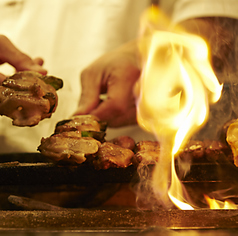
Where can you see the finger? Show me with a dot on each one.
(9, 53)
(120, 87)
(90, 92)
(2, 77)
(12, 55)
(31, 66)
(128, 118)
(37, 66)
(119, 107)
(115, 115)
(38, 61)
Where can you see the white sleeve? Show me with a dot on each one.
(186, 9)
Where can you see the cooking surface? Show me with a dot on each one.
(31, 172)
(125, 222)
(155, 232)
(34, 168)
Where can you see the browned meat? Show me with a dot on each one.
(232, 139)
(28, 97)
(216, 150)
(147, 146)
(193, 148)
(111, 155)
(223, 131)
(68, 147)
(124, 141)
(82, 123)
(207, 150)
(89, 125)
(147, 153)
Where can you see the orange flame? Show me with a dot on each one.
(177, 85)
(215, 204)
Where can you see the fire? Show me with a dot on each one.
(177, 85)
(215, 204)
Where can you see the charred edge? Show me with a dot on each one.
(103, 125)
(56, 83)
(67, 130)
(62, 122)
(94, 134)
(52, 99)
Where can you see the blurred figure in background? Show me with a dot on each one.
(68, 35)
(72, 34)
(116, 72)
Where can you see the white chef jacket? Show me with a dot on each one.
(187, 9)
(180, 10)
(69, 35)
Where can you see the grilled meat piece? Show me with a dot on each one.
(82, 123)
(232, 140)
(124, 141)
(100, 136)
(223, 134)
(207, 150)
(194, 149)
(111, 155)
(147, 146)
(147, 152)
(216, 150)
(74, 139)
(68, 147)
(29, 97)
(89, 125)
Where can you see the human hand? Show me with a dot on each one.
(10, 54)
(114, 74)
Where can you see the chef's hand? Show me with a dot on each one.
(11, 55)
(114, 75)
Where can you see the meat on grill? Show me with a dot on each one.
(232, 139)
(147, 152)
(88, 125)
(29, 97)
(73, 140)
(112, 155)
(124, 141)
(82, 123)
(68, 147)
(81, 138)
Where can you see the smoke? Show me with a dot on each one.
(146, 197)
(223, 42)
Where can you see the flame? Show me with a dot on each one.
(215, 204)
(176, 86)
(153, 18)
